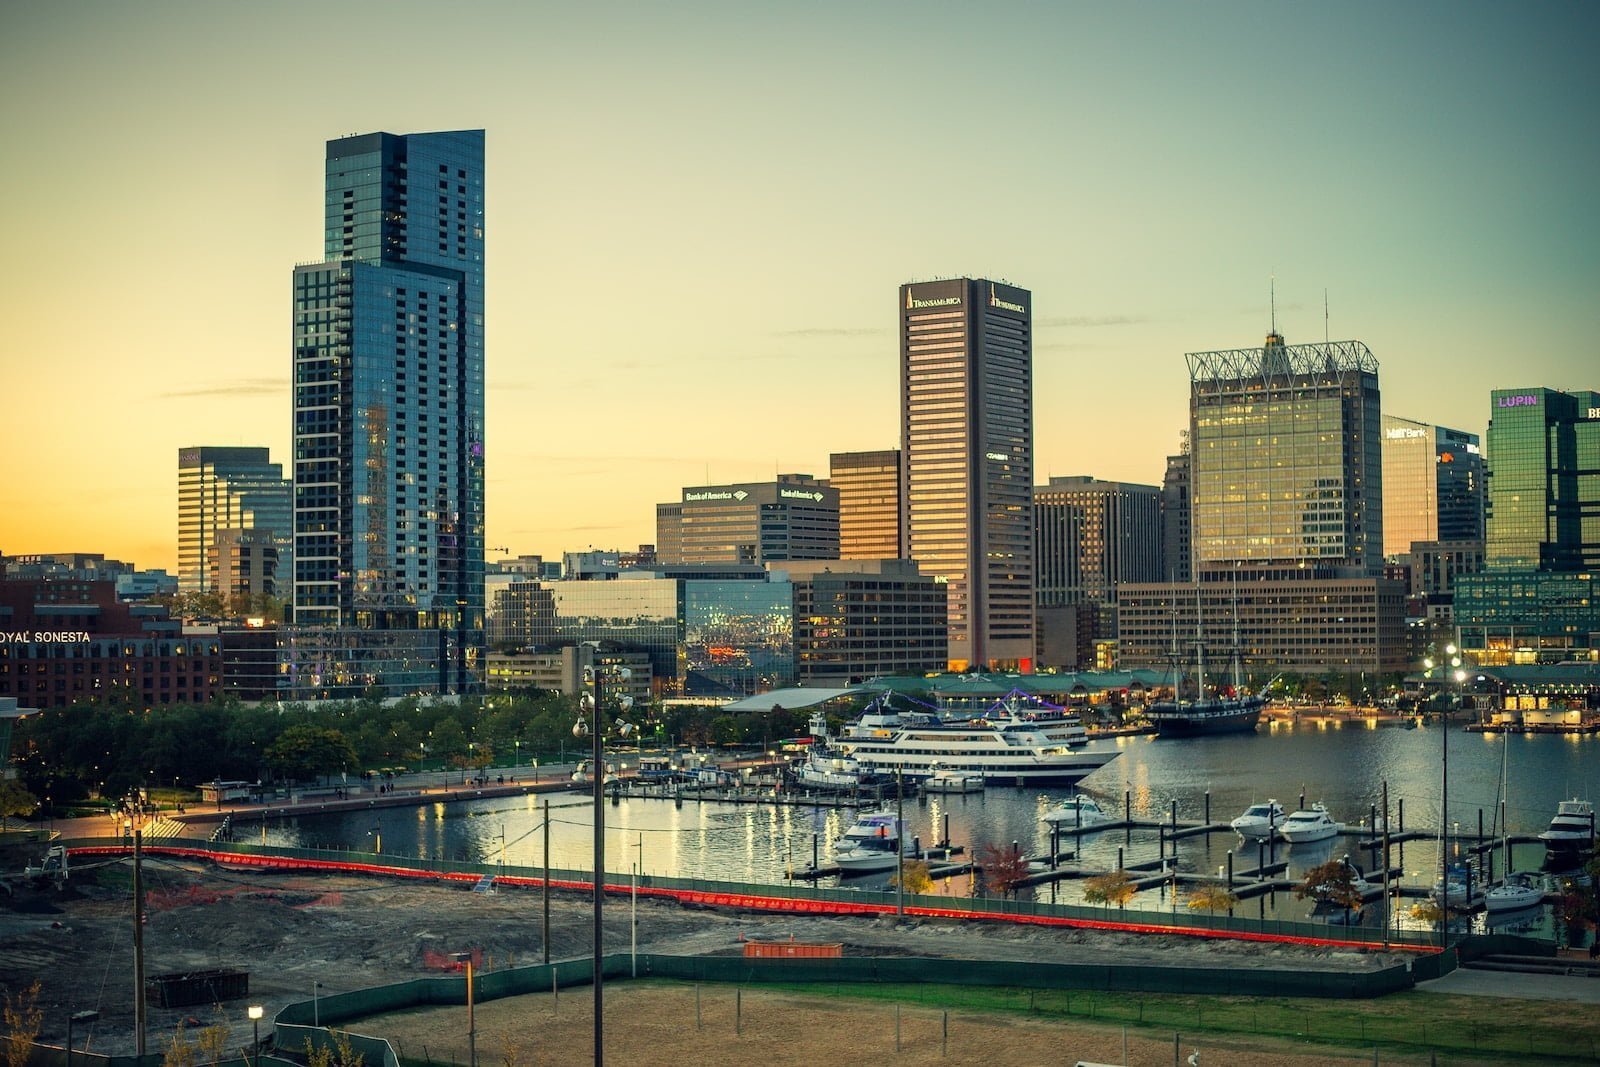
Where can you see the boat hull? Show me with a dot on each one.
(1206, 717)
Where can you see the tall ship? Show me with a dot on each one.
(1230, 711)
(1017, 741)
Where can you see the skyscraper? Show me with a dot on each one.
(966, 424)
(221, 489)
(1175, 516)
(1112, 537)
(1538, 596)
(869, 503)
(388, 394)
(1432, 485)
(1286, 469)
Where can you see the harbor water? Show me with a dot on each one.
(1343, 764)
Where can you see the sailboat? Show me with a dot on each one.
(1237, 712)
(1520, 890)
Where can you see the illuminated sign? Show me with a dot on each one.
(707, 494)
(912, 303)
(58, 637)
(1472, 448)
(1402, 433)
(996, 302)
(1521, 400)
(1594, 413)
(998, 456)
(801, 494)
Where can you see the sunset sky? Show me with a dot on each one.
(698, 216)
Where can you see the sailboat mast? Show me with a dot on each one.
(1238, 668)
(1199, 650)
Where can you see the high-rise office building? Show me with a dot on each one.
(1286, 501)
(1432, 485)
(1287, 472)
(1112, 537)
(860, 619)
(388, 396)
(1538, 596)
(1175, 516)
(869, 503)
(222, 489)
(966, 425)
(793, 517)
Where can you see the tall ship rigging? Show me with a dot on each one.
(1232, 712)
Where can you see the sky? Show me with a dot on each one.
(698, 216)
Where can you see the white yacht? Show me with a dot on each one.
(824, 768)
(1572, 829)
(872, 844)
(1260, 820)
(1080, 813)
(945, 780)
(1308, 825)
(1518, 891)
(1012, 743)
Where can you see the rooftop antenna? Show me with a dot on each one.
(1324, 316)
(1272, 300)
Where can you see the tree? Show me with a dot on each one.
(15, 800)
(23, 1017)
(180, 1050)
(917, 879)
(1331, 883)
(1115, 887)
(1003, 867)
(305, 751)
(1212, 898)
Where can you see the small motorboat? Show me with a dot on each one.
(949, 781)
(1078, 813)
(1520, 890)
(1313, 824)
(1260, 820)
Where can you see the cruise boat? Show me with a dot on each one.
(1314, 824)
(1080, 813)
(1260, 820)
(1572, 829)
(1012, 743)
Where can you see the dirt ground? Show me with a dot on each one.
(346, 932)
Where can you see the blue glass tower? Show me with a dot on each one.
(388, 396)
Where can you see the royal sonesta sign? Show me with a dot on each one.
(53, 637)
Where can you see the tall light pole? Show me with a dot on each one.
(1450, 668)
(77, 1017)
(594, 703)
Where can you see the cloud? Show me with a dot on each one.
(1077, 322)
(834, 331)
(236, 387)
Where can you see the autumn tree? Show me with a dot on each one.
(1115, 887)
(180, 1050)
(916, 877)
(1333, 882)
(23, 1018)
(1213, 898)
(15, 800)
(1003, 867)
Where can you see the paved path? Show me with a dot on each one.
(1464, 981)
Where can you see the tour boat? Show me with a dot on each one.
(1260, 820)
(1011, 743)
(1308, 825)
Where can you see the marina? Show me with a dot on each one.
(1169, 803)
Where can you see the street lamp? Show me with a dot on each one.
(465, 958)
(594, 703)
(1453, 661)
(255, 1012)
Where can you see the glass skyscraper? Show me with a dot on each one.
(388, 395)
(222, 488)
(1432, 485)
(1286, 466)
(966, 426)
(869, 503)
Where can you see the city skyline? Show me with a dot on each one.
(770, 168)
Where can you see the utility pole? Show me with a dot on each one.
(138, 940)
